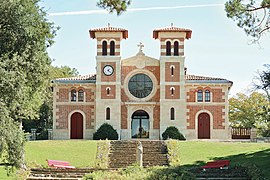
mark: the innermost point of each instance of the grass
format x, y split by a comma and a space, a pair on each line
198, 153
82, 153
79, 153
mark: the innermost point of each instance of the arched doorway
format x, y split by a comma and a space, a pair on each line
140, 124
204, 126
76, 126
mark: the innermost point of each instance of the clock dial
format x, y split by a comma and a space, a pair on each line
108, 70
140, 85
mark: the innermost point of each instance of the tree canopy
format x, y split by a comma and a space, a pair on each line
250, 15
24, 65
250, 111
263, 80
117, 6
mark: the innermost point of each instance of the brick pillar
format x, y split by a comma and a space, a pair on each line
33, 134
253, 134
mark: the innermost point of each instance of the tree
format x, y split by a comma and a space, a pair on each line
24, 63
263, 80
44, 119
249, 110
254, 18
114, 5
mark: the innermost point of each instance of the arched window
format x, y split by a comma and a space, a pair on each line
80, 95
176, 48
104, 48
200, 96
168, 48
108, 89
112, 48
73, 95
172, 70
108, 113
172, 114
172, 90
207, 96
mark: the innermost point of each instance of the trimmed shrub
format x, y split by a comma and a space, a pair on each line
105, 131
172, 133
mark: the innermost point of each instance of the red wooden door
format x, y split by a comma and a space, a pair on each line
204, 126
76, 128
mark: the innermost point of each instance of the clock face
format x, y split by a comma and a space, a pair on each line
108, 70
140, 85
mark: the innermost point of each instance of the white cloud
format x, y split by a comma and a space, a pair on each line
132, 10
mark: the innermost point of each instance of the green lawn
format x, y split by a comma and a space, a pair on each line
82, 153
197, 153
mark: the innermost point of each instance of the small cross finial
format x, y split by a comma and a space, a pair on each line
140, 45
171, 24
109, 24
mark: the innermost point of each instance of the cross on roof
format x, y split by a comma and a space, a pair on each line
140, 45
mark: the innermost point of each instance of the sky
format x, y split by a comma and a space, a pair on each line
217, 48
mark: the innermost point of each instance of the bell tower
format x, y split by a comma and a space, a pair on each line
108, 78
172, 76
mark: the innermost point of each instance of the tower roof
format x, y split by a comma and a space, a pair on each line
172, 29
108, 29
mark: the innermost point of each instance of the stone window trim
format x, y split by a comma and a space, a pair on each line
172, 47
108, 113
204, 96
168, 47
172, 90
75, 97
176, 48
104, 47
207, 96
211, 122
112, 47
108, 91
172, 70
172, 113
141, 71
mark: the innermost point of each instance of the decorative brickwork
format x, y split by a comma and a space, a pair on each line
156, 123
168, 72
63, 95
216, 111
123, 117
62, 111
217, 94
90, 95
105, 91
176, 92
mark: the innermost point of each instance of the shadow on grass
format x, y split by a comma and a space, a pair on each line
261, 159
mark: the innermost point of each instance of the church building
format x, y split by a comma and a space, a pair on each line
141, 96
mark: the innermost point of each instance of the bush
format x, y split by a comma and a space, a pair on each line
172, 133
105, 131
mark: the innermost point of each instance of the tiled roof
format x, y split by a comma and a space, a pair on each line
172, 29
194, 78
108, 29
80, 79
189, 78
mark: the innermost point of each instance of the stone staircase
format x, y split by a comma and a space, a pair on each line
124, 153
58, 174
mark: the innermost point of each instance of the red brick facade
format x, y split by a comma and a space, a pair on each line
107, 91
176, 72
216, 111
64, 110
